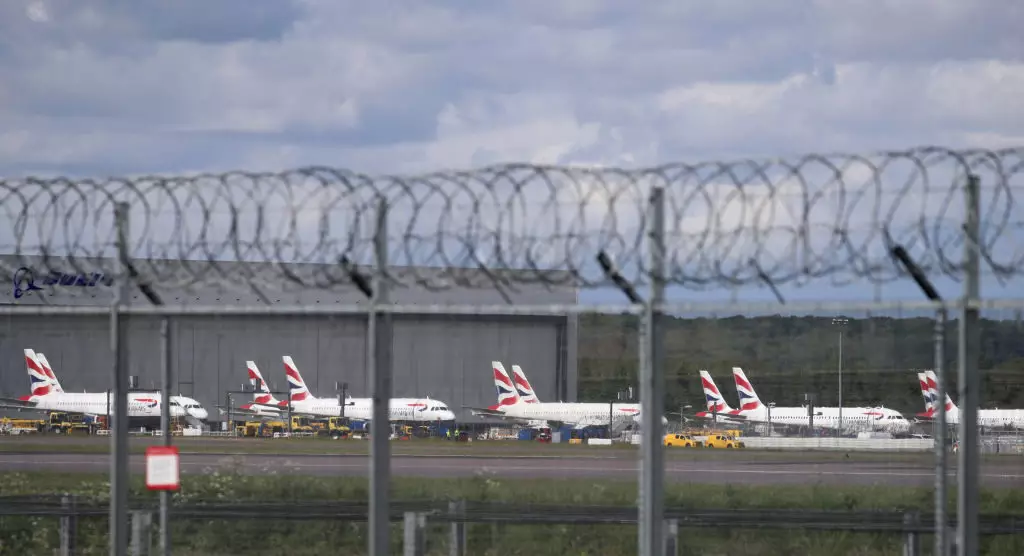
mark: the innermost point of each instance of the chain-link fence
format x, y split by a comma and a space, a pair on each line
546, 284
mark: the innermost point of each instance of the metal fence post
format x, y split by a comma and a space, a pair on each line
415, 539
165, 427
380, 344
941, 544
68, 522
969, 381
119, 473
457, 542
141, 537
910, 539
671, 537
652, 539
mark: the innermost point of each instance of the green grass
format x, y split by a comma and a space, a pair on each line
25, 535
425, 447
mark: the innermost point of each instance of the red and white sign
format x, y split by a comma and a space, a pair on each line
162, 468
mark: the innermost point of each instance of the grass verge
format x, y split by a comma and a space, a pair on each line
420, 447
27, 535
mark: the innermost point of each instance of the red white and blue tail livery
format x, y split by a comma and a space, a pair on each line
511, 405
522, 385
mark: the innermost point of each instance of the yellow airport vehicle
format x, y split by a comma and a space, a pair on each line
69, 423
301, 424
722, 441
338, 427
682, 441
22, 426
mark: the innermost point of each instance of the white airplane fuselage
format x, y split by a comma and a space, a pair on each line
142, 406
577, 414
994, 418
854, 419
361, 409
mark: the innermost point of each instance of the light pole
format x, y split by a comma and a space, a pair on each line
840, 322
768, 433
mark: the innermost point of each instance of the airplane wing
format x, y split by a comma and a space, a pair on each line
722, 417
486, 412
587, 422
240, 411
15, 403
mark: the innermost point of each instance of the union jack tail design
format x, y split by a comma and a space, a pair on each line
928, 395
39, 383
523, 388
296, 386
506, 391
48, 370
933, 388
748, 397
712, 395
262, 394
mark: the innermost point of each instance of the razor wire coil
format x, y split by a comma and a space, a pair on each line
728, 224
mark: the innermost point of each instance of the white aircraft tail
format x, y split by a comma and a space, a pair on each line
523, 388
48, 370
928, 395
506, 391
748, 397
712, 395
933, 387
39, 383
262, 393
297, 390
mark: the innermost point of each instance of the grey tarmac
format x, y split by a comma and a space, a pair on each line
737, 470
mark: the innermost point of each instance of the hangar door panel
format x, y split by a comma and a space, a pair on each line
452, 357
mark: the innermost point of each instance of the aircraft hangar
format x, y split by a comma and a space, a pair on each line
443, 356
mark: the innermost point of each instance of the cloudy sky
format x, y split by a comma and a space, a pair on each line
94, 87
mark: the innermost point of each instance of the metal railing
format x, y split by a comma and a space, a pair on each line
456, 513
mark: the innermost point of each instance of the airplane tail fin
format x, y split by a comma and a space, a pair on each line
506, 391
297, 390
262, 394
748, 397
39, 383
522, 385
713, 396
48, 370
933, 385
927, 394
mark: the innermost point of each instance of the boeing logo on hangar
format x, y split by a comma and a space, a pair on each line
25, 280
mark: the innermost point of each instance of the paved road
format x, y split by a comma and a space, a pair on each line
1009, 474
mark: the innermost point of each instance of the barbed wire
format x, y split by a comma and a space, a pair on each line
787, 221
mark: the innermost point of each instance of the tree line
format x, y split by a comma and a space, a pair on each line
787, 357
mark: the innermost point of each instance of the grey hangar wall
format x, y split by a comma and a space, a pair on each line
444, 356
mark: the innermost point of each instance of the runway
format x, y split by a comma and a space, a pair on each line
737, 470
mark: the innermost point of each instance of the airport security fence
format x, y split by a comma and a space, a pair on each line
354, 256
70, 524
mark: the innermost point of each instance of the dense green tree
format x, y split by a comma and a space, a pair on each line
786, 357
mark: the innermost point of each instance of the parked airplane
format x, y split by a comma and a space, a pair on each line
578, 415
527, 395
47, 395
986, 417
854, 418
360, 409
